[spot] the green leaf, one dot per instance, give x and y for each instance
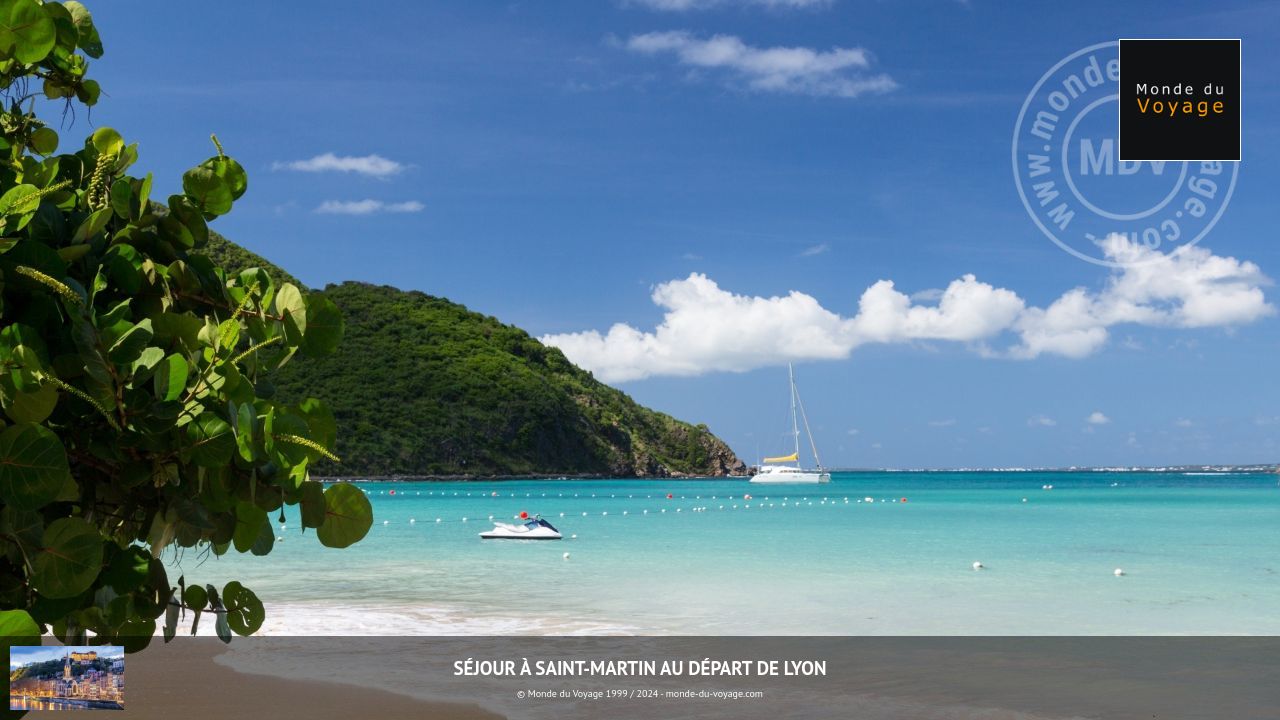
(312, 504)
(129, 346)
(88, 40)
(44, 141)
(33, 466)
(250, 520)
(70, 561)
(244, 610)
(209, 192)
(213, 440)
(17, 628)
(324, 326)
(107, 142)
(128, 570)
(291, 305)
(32, 406)
(347, 516)
(26, 32)
(195, 598)
(171, 377)
(231, 172)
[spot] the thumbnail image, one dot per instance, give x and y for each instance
(66, 678)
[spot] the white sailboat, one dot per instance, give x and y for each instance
(777, 470)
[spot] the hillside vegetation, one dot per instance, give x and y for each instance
(423, 386)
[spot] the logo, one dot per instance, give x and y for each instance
(1075, 187)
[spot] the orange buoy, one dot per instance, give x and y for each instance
(393, 492)
(668, 496)
(524, 515)
(904, 499)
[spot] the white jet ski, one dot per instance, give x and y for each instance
(535, 528)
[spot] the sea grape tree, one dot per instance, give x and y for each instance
(135, 376)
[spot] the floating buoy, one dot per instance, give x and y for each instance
(412, 521)
(573, 537)
(1119, 572)
(1024, 499)
(902, 500)
(524, 515)
(668, 496)
(437, 519)
(393, 492)
(977, 565)
(566, 556)
(279, 538)
(494, 494)
(386, 522)
(746, 497)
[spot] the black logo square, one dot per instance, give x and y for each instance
(1180, 100)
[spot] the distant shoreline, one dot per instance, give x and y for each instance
(1172, 469)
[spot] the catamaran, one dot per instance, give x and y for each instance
(774, 469)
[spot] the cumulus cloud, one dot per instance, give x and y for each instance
(839, 72)
(684, 5)
(1097, 418)
(706, 328)
(370, 165)
(367, 207)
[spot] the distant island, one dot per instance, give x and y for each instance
(423, 387)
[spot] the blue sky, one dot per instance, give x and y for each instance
(553, 164)
(25, 655)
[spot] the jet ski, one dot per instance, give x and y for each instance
(535, 528)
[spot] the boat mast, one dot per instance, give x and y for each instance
(805, 416)
(795, 429)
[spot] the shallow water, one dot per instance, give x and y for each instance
(1201, 555)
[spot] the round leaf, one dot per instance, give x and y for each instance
(70, 560)
(17, 628)
(26, 32)
(33, 466)
(107, 142)
(347, 516)
(244, 610)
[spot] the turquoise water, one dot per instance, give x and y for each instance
(1201, 555)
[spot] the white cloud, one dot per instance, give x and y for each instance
(1183, 423)
(708, 329)
(815, 250)
(1041, 421)
(1097, 418)
(371, 165)
(367, 207)
(839, 72)
(942, 423)
(853, 431)
(684, 5)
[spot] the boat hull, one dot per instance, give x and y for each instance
(792, 478)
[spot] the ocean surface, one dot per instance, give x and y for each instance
(874, 553)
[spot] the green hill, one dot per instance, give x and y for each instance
(424, 386)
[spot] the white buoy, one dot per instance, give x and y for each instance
(566, 556)
(464, 519)
(412, 521)
(573, 537)
(437, 519)
(386, 522)
(279, 538)
(977, 565)
(1119, 572)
